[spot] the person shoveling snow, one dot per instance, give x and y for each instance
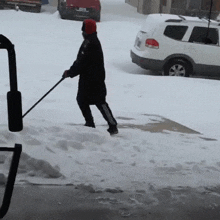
(89, 65)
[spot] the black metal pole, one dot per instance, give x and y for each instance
(209, 19)
(5, 43)
(11, 178)
(12, 69)
(44, 96)
(210, 10)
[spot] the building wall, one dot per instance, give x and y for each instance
(140, 6)
(196, 4)
(155, 6)
(174, 6)
(151, 6)
(53, 3)
(148, 6)
(205, 4)
(166, 6)
(198, 8)
(132, 2)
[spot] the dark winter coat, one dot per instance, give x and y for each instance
(89, 65)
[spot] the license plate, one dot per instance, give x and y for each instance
(82, 10)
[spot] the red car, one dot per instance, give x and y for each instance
(79, 9)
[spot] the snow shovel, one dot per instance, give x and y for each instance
(44, 96)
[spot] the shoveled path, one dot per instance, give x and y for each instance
(49, 202)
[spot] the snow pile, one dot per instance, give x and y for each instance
(69, 153)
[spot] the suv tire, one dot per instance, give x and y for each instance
(177, 67)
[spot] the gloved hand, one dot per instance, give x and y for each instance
(65, 74)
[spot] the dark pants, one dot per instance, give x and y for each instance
(103, 108)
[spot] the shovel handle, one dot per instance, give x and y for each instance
(44, 96)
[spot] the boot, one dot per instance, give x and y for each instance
(90, 124)
(112, 129)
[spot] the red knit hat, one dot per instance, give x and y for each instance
(89, 26)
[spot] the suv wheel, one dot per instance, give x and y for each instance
(177, 67)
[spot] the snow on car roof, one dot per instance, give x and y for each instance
(156, 19)
(164, 17)
(152, 20)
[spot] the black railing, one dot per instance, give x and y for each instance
(11, 177)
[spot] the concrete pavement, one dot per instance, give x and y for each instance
(31, 202)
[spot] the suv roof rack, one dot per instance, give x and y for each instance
(204, 19)
(181, 17)
(211, 21)
(174, 20)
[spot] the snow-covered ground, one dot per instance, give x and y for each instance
(58, 149)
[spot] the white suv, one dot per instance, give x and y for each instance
(178, 45)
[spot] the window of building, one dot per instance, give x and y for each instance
(175, 32)
(204, 35)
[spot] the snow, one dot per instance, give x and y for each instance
(150, 150)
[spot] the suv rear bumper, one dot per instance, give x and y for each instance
(145, 63)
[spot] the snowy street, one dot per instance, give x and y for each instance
(168, 126)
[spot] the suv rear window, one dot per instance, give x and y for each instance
(175, 32)
(203, 35)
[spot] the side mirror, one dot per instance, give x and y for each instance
(13, 96)
(15, 122)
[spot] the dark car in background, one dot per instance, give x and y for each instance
(23, 5)
(79, 9)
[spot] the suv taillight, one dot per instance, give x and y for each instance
(152, 43)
